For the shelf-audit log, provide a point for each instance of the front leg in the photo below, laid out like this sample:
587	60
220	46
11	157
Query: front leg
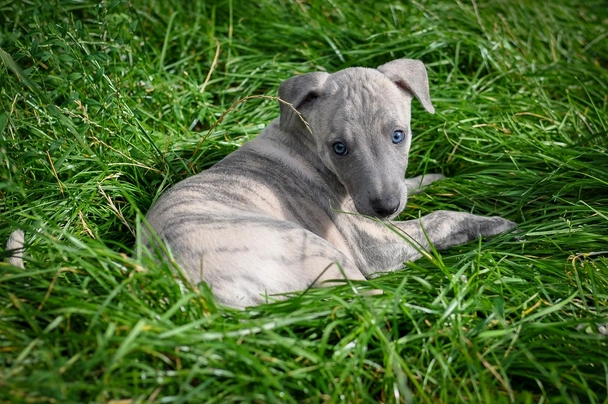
382	250
417	184
445	229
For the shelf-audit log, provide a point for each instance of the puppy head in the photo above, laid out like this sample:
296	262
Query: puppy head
359	126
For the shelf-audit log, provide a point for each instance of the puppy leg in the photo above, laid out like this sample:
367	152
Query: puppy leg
386	250
266	259
445	229
417	184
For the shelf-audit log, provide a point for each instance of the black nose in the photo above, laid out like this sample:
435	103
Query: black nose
385	206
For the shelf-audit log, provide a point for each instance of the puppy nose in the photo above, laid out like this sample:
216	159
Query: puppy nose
385	206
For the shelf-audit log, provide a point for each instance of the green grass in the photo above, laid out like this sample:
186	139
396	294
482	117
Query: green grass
101	110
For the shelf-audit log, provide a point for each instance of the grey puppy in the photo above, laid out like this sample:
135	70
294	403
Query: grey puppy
269	218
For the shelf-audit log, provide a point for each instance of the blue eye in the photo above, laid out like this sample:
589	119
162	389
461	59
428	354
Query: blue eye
398	136
340	148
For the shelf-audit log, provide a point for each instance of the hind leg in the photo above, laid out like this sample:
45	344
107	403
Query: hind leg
248	266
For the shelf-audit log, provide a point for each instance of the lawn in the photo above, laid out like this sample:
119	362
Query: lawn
104	105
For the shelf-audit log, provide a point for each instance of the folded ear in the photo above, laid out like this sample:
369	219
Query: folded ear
410	76
301	92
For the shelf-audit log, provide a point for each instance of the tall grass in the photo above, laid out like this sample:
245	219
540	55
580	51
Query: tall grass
105	105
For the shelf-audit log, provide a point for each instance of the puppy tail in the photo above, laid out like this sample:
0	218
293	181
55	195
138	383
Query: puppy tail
15	245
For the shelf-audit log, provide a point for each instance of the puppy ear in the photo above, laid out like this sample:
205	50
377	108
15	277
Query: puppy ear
301	92
410	76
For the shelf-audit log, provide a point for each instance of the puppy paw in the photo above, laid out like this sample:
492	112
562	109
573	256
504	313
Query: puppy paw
495	225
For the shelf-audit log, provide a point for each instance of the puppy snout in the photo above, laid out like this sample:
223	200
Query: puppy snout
385	206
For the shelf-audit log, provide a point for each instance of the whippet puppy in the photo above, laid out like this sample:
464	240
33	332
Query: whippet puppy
273	217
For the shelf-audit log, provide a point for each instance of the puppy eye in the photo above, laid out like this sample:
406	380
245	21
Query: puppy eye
398	136
340	148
